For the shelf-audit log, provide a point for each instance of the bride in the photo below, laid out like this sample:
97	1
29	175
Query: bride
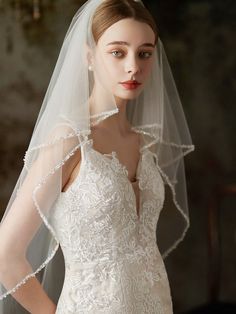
109	139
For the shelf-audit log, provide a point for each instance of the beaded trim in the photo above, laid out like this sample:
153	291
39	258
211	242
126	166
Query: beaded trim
48	259
52	142
167	252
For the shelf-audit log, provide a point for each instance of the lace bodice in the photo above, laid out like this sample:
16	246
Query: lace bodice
112	262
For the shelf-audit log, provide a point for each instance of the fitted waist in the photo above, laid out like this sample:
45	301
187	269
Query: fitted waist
132	260
73	266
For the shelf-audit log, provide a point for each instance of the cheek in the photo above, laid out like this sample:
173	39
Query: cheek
110	73
113	67
147	68
108	61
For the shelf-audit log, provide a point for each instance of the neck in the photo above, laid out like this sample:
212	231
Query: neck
116	123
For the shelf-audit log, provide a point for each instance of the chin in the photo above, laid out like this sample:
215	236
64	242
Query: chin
129	95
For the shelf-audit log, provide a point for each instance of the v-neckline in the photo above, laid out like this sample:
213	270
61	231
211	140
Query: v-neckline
113	156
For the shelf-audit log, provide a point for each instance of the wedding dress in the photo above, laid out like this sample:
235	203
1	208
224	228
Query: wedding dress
108	238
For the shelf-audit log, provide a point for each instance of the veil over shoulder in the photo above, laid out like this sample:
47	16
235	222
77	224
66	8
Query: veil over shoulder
63	125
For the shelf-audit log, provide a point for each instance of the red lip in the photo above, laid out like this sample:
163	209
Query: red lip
130	84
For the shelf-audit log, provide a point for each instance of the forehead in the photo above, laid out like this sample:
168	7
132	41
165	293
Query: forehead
128	30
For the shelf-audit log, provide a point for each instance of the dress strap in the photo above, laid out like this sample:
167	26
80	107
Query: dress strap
85	143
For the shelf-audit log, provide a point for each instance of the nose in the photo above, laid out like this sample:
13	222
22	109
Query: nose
132	66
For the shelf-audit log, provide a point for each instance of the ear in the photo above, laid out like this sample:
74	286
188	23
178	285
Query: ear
89	55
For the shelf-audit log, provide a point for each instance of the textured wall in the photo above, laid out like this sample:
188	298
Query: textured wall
200	43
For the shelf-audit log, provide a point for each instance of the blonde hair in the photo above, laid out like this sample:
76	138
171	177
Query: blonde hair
111	11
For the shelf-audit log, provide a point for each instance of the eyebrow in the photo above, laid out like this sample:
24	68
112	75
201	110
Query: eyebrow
124	43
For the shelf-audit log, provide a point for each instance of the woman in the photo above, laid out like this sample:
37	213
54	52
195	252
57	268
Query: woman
110	134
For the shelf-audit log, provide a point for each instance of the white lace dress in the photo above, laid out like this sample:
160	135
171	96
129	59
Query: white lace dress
112	262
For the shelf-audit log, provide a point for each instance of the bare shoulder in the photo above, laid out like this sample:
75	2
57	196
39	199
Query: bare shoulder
68	143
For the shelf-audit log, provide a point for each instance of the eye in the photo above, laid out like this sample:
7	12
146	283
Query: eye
117	53
145	54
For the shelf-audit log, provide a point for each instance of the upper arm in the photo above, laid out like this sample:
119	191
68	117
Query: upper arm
22	219
39	188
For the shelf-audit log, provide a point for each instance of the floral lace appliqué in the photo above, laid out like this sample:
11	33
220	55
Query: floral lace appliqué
112	262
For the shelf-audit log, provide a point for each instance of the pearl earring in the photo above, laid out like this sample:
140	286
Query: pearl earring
90	68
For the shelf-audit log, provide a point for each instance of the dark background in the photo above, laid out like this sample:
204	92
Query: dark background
199	39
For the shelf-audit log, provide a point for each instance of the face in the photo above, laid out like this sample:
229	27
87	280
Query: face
123	58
